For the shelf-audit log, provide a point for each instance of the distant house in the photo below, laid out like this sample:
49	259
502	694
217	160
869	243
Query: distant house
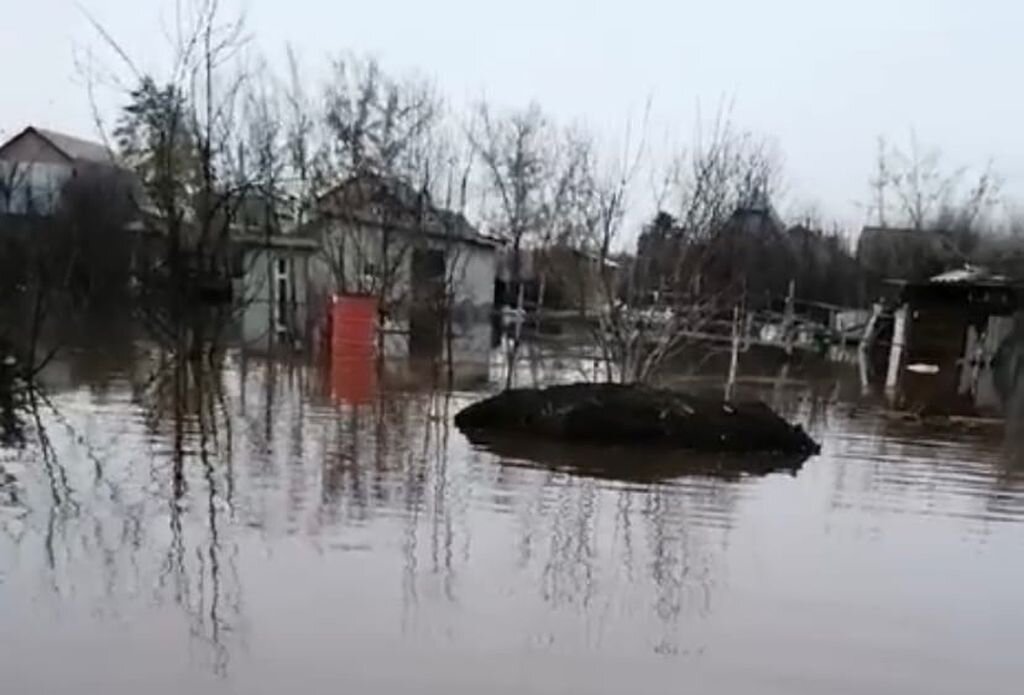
751	254
910	255
37	164
747	253
557	277
381	237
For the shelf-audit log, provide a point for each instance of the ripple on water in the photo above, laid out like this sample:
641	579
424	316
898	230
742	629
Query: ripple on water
273	529
937	474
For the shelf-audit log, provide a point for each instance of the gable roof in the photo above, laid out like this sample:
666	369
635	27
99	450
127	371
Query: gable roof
374	200
75	149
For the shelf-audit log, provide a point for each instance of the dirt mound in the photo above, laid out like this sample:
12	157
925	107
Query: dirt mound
632	414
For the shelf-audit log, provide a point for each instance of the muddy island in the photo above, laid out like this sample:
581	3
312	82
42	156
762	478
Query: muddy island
636	415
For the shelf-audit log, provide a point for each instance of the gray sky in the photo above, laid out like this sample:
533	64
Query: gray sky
823	78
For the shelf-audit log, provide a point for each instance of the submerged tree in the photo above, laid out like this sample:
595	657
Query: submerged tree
179	133
529	171
639	331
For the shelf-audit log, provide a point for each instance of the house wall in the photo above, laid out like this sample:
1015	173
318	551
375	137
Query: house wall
32	148
258	295
32	173
352	252
29	187
473	275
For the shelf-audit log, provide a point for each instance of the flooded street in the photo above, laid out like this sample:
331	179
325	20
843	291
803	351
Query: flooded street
258	530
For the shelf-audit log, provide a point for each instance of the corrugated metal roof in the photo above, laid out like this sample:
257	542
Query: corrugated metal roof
77	148
968	274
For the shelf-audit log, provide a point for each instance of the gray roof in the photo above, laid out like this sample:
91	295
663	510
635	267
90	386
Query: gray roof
361	198
77	148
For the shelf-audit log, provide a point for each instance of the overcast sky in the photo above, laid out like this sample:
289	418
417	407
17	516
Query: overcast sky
823	78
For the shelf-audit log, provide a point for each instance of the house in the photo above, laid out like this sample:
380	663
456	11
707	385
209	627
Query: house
557	277
68	196
746	253
429	268
907	255
953	338
750	253
37	164
272	285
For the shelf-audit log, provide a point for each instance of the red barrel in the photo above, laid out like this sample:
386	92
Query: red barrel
353	342
353	321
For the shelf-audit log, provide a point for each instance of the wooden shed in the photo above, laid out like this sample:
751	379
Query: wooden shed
947	339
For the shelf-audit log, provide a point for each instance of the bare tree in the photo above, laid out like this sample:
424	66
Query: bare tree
377	135
304	134
529	169
15	187
178	133
378	123
913	187
637	332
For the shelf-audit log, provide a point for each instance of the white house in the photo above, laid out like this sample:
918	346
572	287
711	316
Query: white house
428	267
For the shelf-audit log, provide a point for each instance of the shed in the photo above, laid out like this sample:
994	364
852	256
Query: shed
950	332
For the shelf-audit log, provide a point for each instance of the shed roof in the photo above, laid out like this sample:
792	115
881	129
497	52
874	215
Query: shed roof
970	275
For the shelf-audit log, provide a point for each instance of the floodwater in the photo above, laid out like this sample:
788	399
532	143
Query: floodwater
263	529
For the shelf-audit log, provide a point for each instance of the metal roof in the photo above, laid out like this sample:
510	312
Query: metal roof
75	149
969	275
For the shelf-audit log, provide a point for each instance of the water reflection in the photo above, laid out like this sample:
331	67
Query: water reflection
636	464
268	525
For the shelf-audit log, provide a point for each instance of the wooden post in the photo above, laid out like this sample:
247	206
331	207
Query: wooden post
520	317
789	317
899	342
867	341
735	355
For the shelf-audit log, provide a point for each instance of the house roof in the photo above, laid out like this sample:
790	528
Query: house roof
276	241
74	148
927	237
907	254
362	199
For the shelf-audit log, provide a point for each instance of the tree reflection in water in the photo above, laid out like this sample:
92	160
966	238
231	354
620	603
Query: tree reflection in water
121	478
158	485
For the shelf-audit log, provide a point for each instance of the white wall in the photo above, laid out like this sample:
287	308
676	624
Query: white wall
257	293
31	186
474	271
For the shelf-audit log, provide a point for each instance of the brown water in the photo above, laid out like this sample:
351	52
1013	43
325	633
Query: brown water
250	532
